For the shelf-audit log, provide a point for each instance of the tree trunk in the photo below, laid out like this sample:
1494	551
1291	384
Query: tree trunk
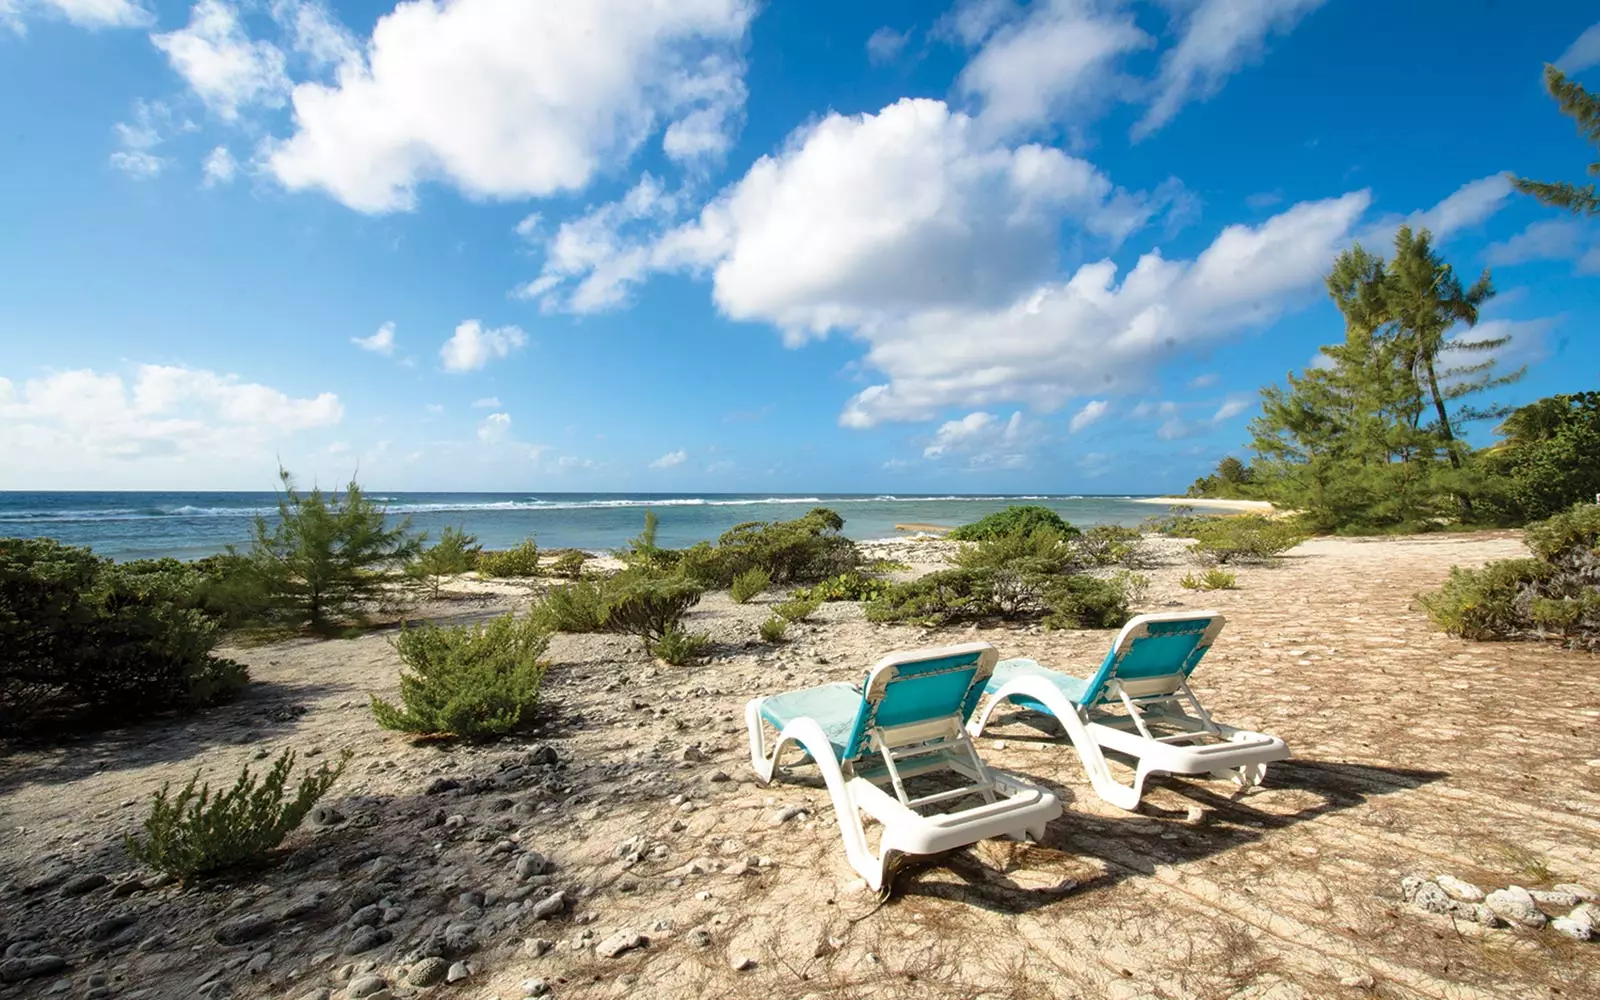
1449	437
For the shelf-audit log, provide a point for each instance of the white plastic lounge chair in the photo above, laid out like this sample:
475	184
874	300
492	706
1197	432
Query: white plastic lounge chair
1134	705
907	720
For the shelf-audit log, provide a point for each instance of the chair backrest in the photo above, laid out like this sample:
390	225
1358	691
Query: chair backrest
1154	654
923	685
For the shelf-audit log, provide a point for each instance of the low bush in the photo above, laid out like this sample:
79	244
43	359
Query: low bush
647	606
773	629
678	647
1180	521
521	561
1087	602
798	609
1109	545
1015	520
198	833
1556	593
806	549
1215	578
577	607
749	584
852	586
469	682
936	598
569	564
83	639
455	553
1245	538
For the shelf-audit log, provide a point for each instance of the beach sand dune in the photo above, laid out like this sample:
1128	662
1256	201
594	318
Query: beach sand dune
1415	754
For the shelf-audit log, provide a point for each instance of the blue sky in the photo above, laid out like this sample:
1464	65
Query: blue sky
697	245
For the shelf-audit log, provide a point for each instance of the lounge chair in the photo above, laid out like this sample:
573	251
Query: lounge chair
1135	705
906	722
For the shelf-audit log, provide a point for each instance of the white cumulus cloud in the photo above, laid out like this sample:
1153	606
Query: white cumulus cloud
885	44
225	67
494	428
511	99
219	167
83	13
670	459
1092	411
985	441
381	342
471	346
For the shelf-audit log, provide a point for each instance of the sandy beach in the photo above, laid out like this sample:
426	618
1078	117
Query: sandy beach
1255	505
1414	754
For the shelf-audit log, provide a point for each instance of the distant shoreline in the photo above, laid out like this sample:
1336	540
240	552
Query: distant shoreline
1260	505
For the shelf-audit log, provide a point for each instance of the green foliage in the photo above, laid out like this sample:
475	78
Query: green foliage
851	586
577	607
569	564
1015	520
773	628
1245	538
470	682
1109	545
1017	569
1584	109
678	648
803	550
519	562
198	833
1231	481
941	597
324	562
86	639
797	608
1215	578
749	584
642	552
1546	462
455	553
648	606
1556	592
1087	602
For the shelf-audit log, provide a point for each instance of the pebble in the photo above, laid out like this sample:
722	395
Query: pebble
1458	889
365	986
366	939
1515	906
83	884
1576	925
1559	900
1583	892
531	863
1361	982
787	813
246	928
458	971
1430	898
428	972
700	937
535	987
537	947
718	777
15	970
619	943
742	963
549	906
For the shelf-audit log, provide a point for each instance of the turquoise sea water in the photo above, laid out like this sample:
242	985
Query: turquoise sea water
191	525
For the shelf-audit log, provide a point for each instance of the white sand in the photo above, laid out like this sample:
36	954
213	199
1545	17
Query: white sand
1261	505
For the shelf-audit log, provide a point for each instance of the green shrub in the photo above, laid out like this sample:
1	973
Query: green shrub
1546	462
519	562
797	608
806	549
455	553
1109	545
1484	603
1215	578
749	584
470	682
773	628
1134	585
576	607
86	639
1016	520
198	833
936	598
852	586
323	564
1087	602
569	564
1569	539
647	606
642	552
1180	521
1245	538
1018	568
678	647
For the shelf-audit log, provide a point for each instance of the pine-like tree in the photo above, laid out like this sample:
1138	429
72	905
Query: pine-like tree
1584	109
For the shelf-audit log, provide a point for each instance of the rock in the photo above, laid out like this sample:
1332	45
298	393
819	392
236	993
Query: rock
549	906
718	777
619	943
1515	906
320	994
1431	899
542	755
305	906
366	939
245	928
1361	982
325	815
365	986
535	987
700	937
368	916
81	884
1556	900
537	947
694	754
428	972
1576	925
438	786
1485	916
259	963
458	971
15	970
787	813
109	927
1583	892
742	963
1458	889
1409	886
532	863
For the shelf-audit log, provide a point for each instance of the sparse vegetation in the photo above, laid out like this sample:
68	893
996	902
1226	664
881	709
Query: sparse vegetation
469	682
1245	538
1109	545
1087	602
197	832
569	564
455	553
803	550
797	608
749	584
1022	519
1215	578
773	629
519	562
579	606
678	647
648	607
852	586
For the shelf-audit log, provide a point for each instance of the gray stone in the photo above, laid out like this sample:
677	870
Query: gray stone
365	986
428	972
742	963
439	786
110	927
366	939
700	937
1458	889
1362	982
1409	886
718	777
245	928
325	815
787	813
542	755
1556	900
15	970
1515	906
1583	892
535	987
619	943
458	971
82	884
368	916
537	947
549	906
532	863
1576	925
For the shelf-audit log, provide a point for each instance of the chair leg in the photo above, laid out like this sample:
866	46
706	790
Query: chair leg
1089	752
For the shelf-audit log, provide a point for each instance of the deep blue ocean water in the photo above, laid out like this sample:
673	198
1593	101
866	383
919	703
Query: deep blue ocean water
191	525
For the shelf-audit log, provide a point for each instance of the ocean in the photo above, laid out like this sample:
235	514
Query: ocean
191	525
